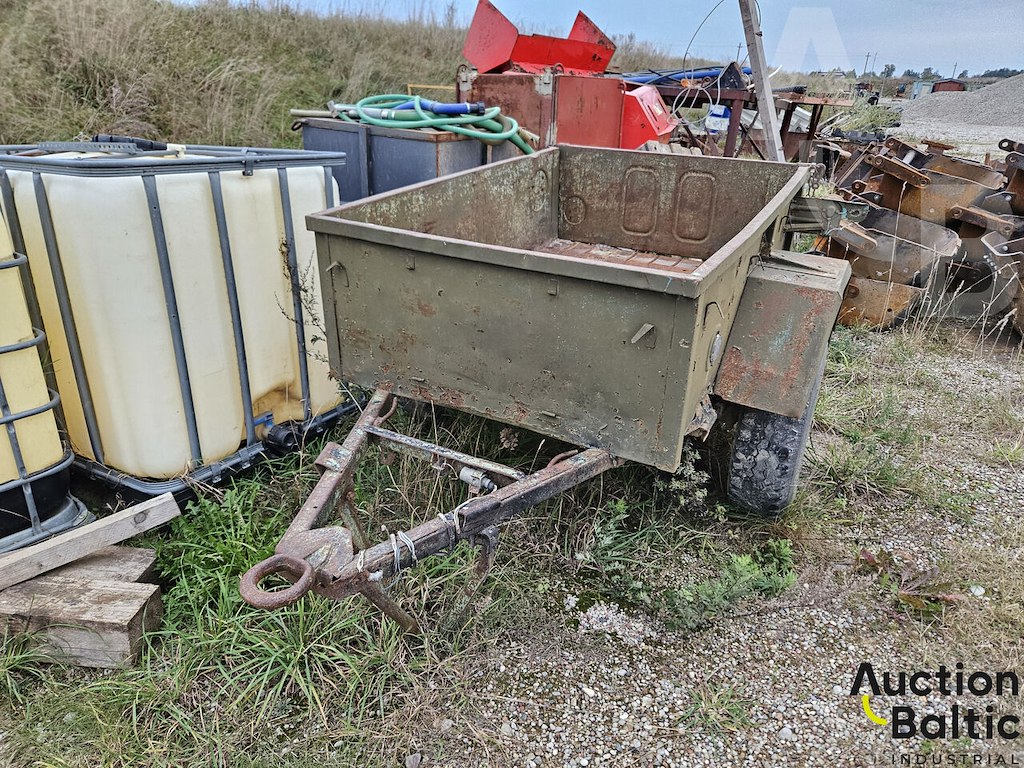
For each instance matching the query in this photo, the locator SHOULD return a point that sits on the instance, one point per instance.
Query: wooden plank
(87, 623)
(23, 564)
(108, 564)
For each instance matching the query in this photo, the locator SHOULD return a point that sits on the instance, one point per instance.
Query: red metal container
(493, 44)
(644, 118)
(557, 88)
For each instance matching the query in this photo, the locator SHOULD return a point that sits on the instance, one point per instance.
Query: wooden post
(735, 118)
(759, 67)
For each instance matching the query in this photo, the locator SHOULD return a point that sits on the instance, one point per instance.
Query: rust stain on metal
(358, 336)
(399, 345)
(452, 397)
(324, 560)
(878, 304)
(427, 310)
(516, 411)
(617, 255)
(446, 396)
(735, 371)
(774, 352)
(560, 306)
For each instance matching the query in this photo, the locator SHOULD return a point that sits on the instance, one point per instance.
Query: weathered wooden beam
(80, 620)
(114, 563)
(27, 563)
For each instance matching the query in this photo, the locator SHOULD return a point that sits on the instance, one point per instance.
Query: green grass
(219, 674)
(870, 447)
(879, 409)
(867, 117)
(20, 666)
(333, 683)
(639, 560)
(1008, 453)
(224, 684)
(717, 709)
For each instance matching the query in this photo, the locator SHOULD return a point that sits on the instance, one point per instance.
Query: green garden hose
(491, 127)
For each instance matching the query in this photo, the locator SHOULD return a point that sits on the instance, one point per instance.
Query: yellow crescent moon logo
(865, 701)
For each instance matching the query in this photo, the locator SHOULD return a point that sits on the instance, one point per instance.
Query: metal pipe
(328, 186)
(30, 412)
(38, 337)
(421, 449)
(19, 461)
(324, 560)
(311, 113)
(67, 317)
(659, 75)
(203, 158)
(173, 319)
(18, 241)
(65, 462)
(293, 271)
(209, 473)
(236, 314)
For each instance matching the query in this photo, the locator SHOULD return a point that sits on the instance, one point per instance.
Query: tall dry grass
(635, 55)
(213, 72)
(206, 73)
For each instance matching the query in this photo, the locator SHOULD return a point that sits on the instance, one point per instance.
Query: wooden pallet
(90, 613)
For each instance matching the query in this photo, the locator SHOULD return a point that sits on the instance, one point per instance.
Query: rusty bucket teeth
(925, 194)
(878, 304)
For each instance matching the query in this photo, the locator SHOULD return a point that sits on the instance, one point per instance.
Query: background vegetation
(212, 72)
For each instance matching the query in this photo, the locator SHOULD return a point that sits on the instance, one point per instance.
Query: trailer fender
(779, 338)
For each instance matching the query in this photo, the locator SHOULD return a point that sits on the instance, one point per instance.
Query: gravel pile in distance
(1001, 103)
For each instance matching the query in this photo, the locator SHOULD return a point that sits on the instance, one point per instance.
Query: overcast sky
(970, 34)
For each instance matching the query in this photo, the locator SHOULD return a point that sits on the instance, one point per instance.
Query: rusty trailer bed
(618, 255)
(596, 296)
(586, 294)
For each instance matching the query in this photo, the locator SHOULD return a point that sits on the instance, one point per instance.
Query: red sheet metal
(494, 44)
(588, 110)
(527, 98)
(645, 118)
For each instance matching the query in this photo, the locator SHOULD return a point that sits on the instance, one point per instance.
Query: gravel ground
(770, 684)
(974, 141)
(1001, 103)
(973, 120)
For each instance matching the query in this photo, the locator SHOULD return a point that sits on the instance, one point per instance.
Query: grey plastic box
(383, 159)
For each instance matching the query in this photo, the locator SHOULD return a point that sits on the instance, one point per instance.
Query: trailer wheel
(767, 453)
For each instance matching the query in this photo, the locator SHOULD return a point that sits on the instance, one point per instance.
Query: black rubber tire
(767, 453)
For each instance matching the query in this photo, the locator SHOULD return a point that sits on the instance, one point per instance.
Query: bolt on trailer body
(614, 300)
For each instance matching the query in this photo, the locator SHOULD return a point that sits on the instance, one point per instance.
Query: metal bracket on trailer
(339, 562)
(823, 214)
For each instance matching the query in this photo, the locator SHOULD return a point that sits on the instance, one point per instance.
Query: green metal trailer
(618, 301)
